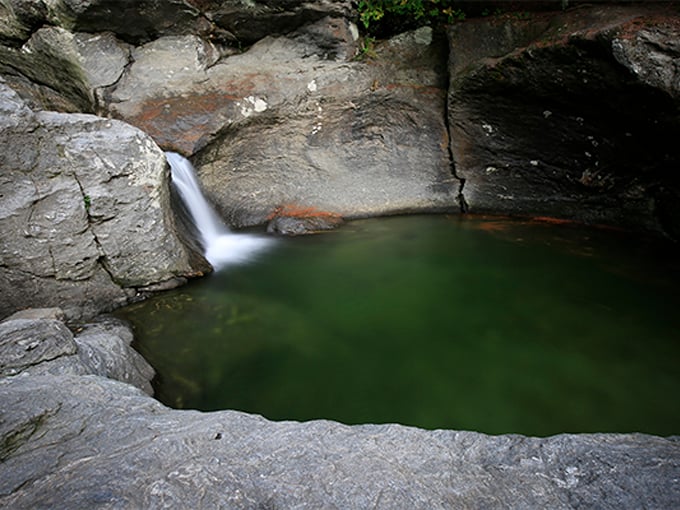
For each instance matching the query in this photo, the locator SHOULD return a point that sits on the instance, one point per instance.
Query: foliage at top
(384, 18)
(421, 11)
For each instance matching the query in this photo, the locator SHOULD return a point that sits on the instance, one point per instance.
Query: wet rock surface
(570, 115)
(84, 442)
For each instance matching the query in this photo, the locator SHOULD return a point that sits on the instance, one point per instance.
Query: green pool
(491, 325)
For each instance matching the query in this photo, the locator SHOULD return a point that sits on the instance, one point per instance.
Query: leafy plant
(372, 11)
(88, 202)
(366, 48)
(454, 14)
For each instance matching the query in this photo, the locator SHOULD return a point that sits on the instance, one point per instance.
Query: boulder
(85, 218)
(26, 343)
(296, 221)
(351, 139)
(89, 442)
(249, 22)
(37, 342)
(60, 55)
(573, 115)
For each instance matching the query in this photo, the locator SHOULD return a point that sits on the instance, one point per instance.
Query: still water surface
(440, 322)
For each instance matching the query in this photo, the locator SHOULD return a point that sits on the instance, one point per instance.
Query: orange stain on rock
(297, 211)
(554, 221)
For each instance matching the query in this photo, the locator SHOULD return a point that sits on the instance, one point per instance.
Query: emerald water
(491, 325)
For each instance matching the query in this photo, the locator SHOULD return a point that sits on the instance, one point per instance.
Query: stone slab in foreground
(90, 442)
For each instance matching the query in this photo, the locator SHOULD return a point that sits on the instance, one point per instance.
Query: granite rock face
(85, 219)
(89, 442)
(292, 121)
(350, 139)
(572, 115)
(561, 114)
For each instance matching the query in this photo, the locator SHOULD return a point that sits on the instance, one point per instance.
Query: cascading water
(221, 246)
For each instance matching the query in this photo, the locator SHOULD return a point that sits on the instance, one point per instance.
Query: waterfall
(221, 246)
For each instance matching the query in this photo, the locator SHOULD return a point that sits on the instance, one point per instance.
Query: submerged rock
(572, 115)
(85, 219)
(64, 436)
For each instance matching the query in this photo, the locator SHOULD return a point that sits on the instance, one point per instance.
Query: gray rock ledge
(90, 442)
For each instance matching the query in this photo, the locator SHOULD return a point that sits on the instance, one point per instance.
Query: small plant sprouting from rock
(366, 48)
(88, 203)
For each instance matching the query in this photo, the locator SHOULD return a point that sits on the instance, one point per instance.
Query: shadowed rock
(572, 115)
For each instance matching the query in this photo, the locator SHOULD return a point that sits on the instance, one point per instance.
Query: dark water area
(491, 325)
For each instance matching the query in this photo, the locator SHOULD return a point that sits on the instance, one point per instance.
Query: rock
(296, 221)
(38, 313)
(29, 342)
(572, 115)
(74, 66)
(131, 20)
(49, 59)
(139, 21)
(291, 123)
(63, 438)
(251, 21)
(18, 19)
(13, 111)
(350, 139)
(61, 66)
(179, 92)
(160, 69)
(652, 53)
(85, 216)
(104, 348)
(36, 342)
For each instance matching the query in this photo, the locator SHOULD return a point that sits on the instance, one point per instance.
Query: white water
(221, 246)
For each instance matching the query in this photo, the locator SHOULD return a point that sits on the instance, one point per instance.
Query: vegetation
(421, 11)
(384, 18)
